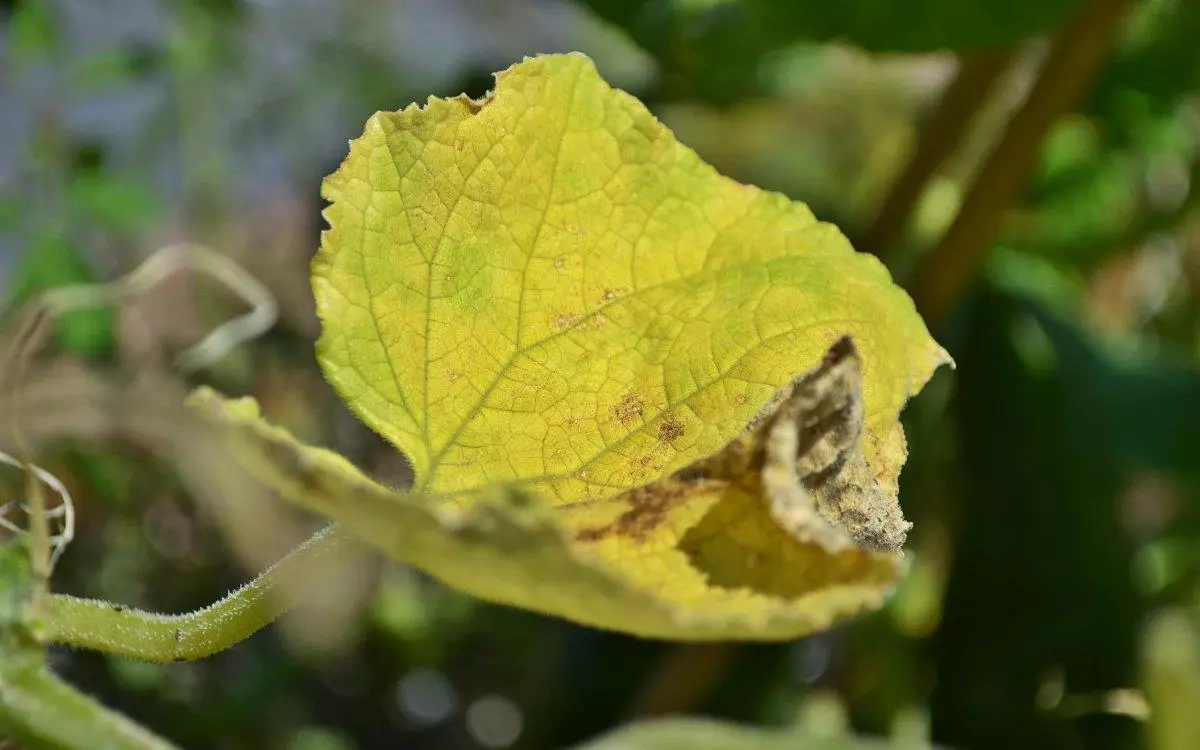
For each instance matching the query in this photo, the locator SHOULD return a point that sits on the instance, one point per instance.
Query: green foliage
(717, 49)
(112, 202)
(32, 30)
(924, 25)
(1158, 64)
(55, 262)
(699, 734)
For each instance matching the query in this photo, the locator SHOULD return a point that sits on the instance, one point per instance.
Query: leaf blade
(512, 549)
(543, 291)
(721, 282)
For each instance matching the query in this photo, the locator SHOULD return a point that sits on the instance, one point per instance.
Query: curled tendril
(262, 315)
(219, 342)
(62, 514)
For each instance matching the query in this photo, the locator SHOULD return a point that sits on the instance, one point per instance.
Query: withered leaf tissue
(803, 456)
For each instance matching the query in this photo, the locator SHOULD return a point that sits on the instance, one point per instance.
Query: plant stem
(686, 676)
(1076, 55)
(39, 541)
(939, 138)
(42, 712)
(89, 623)
(30, 335)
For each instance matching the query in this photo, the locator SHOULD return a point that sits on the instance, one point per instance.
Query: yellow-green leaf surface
(544, 289)
(509, 547)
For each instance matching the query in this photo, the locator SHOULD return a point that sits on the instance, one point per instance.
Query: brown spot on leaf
(648, 508)
(630, 409)
(566, 320)
(609, 295)
(670, 429)
(475, 106)
(740, 400)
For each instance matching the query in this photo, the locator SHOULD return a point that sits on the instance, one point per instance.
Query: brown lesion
(739, 462)
(797, 473)
(649, 505)
(643, 465)
(566, 320)
(475, 106)
(630, 409)
(670, 429)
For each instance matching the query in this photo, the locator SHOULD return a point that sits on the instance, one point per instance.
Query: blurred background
(1027, 169)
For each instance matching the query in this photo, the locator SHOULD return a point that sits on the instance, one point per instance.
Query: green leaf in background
(1057, 439)
(1124, 168)
(715, 49)
(918, 25)
(1156, 67)
(113, 68)
(705, 734)
(113, 202)
(55, 262)
(10, 211)
(31, 29)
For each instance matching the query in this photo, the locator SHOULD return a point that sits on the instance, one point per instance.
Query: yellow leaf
(544, 290)
(511, 548)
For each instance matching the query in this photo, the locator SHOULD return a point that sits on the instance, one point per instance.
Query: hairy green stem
(42, 712)
(114, 629)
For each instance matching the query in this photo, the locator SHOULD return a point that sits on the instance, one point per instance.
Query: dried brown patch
(475, 106)
(630, 409)
(648, 508)
(670, 429)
